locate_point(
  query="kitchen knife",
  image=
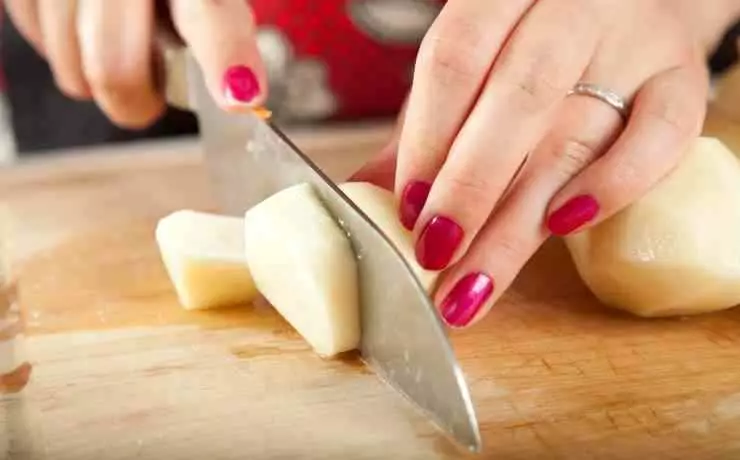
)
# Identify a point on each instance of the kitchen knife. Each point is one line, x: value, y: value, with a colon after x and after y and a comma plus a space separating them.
x: 403, y: 339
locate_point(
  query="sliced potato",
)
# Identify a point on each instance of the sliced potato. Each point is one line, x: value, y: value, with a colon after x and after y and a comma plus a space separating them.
x: 204, y: 257
x: 677, y: 250
x: 303, y: 264
x: 381, y: 207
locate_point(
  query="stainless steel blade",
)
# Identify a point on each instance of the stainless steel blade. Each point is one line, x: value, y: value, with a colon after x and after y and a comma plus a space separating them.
x: 403, y: 339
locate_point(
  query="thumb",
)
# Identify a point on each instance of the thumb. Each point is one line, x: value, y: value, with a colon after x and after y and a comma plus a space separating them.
x: 381, y: 170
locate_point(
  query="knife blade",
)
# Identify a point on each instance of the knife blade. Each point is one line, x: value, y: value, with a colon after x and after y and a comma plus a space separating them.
x: 403, y: 339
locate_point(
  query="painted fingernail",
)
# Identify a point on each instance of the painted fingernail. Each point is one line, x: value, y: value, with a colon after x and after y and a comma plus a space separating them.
x: 240, y: 85
x: 437, y: 243
x: 466, y: 299
x: 412, y: 202
x: 573, y: 215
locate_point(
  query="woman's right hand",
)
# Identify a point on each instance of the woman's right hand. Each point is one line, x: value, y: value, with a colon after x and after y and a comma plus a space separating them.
x: 104, y: 50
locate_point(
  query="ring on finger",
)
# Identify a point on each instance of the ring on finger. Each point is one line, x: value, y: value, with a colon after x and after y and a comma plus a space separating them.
x: 605, y: 95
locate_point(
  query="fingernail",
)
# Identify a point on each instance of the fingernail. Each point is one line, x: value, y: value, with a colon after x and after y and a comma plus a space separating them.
x: 412, y: 202
x: 466, y: 299
x: 572, y: 215
x: 240, y: 85
x: 438, y: 242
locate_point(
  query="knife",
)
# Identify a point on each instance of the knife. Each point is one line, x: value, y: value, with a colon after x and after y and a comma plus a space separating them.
x: 403, y: 339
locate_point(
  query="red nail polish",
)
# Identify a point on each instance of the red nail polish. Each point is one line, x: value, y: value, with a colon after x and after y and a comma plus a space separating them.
x: 412, y: 202
x: 240, y: 84
x: 466, y: 299
x: 438, y: 242
x: 572, y: 215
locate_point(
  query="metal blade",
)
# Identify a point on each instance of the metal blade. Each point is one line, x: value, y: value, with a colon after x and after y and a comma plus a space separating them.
x: 403, y: 339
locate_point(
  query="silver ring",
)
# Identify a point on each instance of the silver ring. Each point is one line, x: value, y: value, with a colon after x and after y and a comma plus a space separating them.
x: 613, y: 99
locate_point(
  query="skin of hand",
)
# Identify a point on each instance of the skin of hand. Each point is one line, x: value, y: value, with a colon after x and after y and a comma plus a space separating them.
x: 493, y: 157
x: 105, y: 50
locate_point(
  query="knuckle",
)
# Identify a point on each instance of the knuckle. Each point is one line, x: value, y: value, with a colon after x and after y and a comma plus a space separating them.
x: 115, y: 82
x: 451, y: 52
x: 535, y: 92
x: 676, y: 114
x: 473, y: 188
x: 573, y: 155
x: 423, y: 146
x: 512, y: 249
x: 72, y: 89
x: 676, y: 100
x: 537, y: 84
x: 68, y: 76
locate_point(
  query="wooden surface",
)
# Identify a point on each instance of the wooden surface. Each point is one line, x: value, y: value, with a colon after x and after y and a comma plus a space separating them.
x: 120, y: 371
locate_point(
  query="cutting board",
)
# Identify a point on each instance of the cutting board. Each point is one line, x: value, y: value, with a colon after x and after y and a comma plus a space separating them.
x: 119, y: 370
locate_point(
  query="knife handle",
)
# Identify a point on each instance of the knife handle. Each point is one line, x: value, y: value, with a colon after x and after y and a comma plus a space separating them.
x: 172, y: 77
x: 170, y: 59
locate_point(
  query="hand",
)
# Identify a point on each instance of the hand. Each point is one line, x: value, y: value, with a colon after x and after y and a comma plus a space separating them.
x: 105, y: 50
x: 494, y: 157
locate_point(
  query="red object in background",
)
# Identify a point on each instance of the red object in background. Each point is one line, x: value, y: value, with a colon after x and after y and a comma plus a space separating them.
x: 340, y: 59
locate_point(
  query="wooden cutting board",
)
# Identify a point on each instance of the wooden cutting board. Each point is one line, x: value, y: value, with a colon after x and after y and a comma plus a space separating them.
x: 120, y: 371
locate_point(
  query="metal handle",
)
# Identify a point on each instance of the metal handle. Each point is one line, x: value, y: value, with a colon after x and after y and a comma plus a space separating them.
x: 172, y: 66
x: 173, y: 74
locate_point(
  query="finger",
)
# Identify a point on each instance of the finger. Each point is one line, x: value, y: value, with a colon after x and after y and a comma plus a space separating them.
x: 58, y: 21
x: 381, y: 169
x: 221, y: 36
x: 544, y: 58
x: 116, y: 38
x: 583, y: 130
x: 668, y: 113
x: 453, y: 62
x: 25, y: 16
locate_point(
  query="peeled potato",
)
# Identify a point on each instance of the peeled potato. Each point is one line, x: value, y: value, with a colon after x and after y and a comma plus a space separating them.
x: 677, y: 250
x: 381, y: 207
x: 303, y: 264
x: 204, y: 257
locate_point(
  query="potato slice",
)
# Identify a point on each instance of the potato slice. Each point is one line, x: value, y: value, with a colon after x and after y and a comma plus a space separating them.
x: 381, y: 207
x: 677, y: 250
x: 204, y: 257
x: 303, y: 264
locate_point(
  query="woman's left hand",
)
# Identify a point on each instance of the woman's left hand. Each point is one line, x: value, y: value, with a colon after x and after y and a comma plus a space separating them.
x: 491, y: 91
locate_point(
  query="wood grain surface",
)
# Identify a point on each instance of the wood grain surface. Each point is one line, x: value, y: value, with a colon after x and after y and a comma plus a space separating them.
x: 120, y: 371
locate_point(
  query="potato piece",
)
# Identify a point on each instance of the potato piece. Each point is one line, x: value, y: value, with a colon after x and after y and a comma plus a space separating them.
x: 303, y: 264
x: 677, y: 250
x: 381, y: 207
x: 204, y: 257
